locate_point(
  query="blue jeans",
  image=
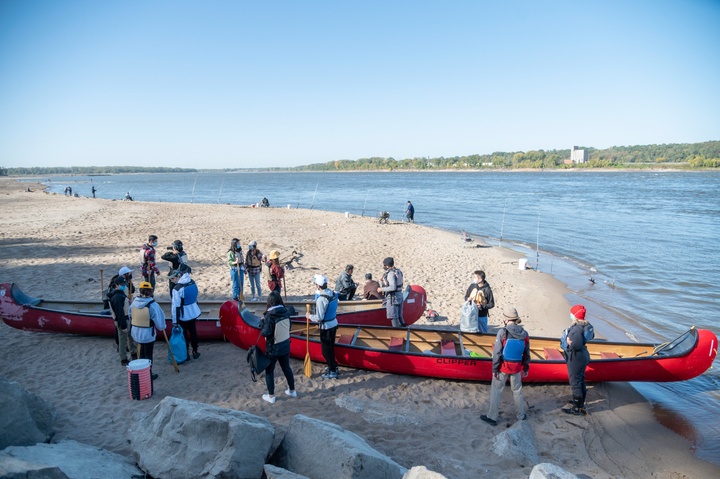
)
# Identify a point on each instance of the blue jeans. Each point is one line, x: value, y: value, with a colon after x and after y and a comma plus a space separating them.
x: 255, y: 284
x: 238, y: 283
x: 482, y: 324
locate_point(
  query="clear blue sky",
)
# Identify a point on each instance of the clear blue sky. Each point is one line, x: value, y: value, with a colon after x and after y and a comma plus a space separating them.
x: 220, y: 84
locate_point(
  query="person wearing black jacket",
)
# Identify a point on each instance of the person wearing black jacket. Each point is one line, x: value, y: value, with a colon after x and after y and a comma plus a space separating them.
x: 176, y: 257
x: 275, y: 326
x: 119, y: 306
x: 481, y: 292
x: 578, y: 358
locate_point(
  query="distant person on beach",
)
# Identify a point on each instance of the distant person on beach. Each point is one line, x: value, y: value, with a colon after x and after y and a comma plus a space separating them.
x: 176, y: 256
x: 119, y: 307
x: 236, y: 263
x: 345, y: 286
x: 410, y: 212
x: 128, y: 197
x: 264, y: 203
x: 511, y: 359
x: 149, y: 268
x: 326, y: 302
x: 145, y: 317
x: 185, y: 309
x: 93, y: 190
x: 482, y: 294
x: 578, y: 357
x: 392, y: 288
x: 276, y: 272
x: 275, y: 326
x: 370, y: 290
x: 253, y: 267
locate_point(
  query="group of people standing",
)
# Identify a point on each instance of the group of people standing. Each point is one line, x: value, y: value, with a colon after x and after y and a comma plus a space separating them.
x: 251, y: 264
x: 138, y: 317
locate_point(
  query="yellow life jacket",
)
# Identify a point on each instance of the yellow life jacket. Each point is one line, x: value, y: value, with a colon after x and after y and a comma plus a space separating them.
x: 141, y: 316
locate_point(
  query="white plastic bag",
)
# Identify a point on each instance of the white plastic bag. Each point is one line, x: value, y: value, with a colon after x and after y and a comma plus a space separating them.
x: 469, y: 317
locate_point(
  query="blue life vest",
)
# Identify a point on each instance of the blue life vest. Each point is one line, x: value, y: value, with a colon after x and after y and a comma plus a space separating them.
x: 513, y: 349
x: 331, y: 312
x: 588, y: 335
x: 191, y: 293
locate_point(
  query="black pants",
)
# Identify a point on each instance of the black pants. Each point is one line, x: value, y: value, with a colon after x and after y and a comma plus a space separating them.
x: 577, y: 362
x: 327, y: 339
x: 146, y: 350
x: 348, y: 294
x: 189, y: 328
x: 287, y: 371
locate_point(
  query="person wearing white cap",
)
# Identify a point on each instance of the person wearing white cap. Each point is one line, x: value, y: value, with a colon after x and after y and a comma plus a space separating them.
x: 326, y: 302
x: 253, y: 267
x: 127, y: 273
x: 511, y: 359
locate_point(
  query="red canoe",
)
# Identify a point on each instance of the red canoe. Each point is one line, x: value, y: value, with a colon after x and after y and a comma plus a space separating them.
x: 21, y: 311
x: 450, y: 354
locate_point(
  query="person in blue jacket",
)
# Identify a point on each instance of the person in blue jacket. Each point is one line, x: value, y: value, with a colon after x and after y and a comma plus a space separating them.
x: 185, y: 309
x: 275, y: 326
x: 326, y: 302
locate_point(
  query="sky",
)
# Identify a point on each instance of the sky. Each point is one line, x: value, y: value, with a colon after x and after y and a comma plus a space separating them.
x: 239, y: 84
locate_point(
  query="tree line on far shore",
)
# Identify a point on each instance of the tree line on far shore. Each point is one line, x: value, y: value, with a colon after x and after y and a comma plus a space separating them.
x: 677, y: 156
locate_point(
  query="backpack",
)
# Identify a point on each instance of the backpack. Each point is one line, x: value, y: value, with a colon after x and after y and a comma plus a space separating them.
x: 257, y: 360
x: 588, y: 333
x: 513, y: 349
x: 178, y: 348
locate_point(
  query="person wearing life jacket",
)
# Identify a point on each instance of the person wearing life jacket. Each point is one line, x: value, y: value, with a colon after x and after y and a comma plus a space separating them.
x: 392, y: 288
x: 149, y: 268
x: 253, y: 267
x: 176, y: 255
x: 578, y: 358
x: 326, y: 303
x: 185, y: 309
x: 146, y: 316
x: 511, y: 359
x: 277, y: 272
x: 119, y: 306
x: 482, y: 294
x: 275, y: 326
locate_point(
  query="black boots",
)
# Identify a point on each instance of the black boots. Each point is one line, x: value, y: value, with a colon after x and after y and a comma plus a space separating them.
x: 578, y: 407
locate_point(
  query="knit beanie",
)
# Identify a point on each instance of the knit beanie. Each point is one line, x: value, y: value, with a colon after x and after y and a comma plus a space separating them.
x: 578, y: 311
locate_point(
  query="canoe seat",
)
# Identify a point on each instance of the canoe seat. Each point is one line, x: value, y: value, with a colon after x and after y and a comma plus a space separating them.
x: 345, y: 339
x: 396, y: 344
x: 447, y: 346
x: 609, y: 355
x: 553, y: 354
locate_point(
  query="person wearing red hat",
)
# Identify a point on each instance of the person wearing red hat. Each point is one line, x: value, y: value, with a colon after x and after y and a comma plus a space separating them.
x: 578, y: 357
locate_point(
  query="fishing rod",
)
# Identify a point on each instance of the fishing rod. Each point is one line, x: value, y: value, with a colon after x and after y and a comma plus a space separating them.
x: 222, y: 183
x: 537, y: 243
x: 313, y: 200
x: 502, y: 225
x: 192, y: 196
x: 365, y: 204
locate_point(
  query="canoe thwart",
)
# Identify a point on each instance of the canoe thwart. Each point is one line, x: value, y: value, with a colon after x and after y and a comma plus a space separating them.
x: 396, y: 344
x: 609, y: 355
x: 552, y: 354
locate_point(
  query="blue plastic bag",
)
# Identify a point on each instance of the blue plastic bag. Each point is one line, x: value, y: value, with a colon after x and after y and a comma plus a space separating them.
x: 177, y: 345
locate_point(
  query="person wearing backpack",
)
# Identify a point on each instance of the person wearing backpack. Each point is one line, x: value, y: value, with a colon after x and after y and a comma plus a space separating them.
x: 511, y: 359
x: 578, y: 357
x: 145, y: 317
x: 482, y: 294
x: 147, y: 256
x: 275, y: 326
x: 392, y: 287
x: 185, y: 309
x: 253, y: 267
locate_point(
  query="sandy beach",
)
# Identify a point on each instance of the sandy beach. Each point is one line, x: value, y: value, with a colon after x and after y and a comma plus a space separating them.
x: 55, y: 246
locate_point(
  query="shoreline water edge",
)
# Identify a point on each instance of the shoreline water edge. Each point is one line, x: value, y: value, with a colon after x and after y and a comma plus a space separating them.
x: 53, y: 245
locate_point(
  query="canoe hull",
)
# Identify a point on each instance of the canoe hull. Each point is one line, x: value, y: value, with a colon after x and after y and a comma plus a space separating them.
x: 697, y: 360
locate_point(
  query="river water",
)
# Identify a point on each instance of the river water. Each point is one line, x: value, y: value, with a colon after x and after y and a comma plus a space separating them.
x: 648, y: 240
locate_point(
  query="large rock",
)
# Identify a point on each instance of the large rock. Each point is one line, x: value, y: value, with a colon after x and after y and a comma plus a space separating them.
x: 182, y: 439
x: 11, y: 468
x: 25, y: 418
x: 274, y: 472
x: 546, y: 470
x: 75, y: 460
x: 421, y: 472
x: 323, y: 450
x: 517, y: 443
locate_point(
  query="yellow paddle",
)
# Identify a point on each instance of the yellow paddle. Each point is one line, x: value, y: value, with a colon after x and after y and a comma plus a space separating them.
x: 308, y: 364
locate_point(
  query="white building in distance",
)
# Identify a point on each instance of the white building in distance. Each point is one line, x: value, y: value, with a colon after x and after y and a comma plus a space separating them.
x: 578, y: 156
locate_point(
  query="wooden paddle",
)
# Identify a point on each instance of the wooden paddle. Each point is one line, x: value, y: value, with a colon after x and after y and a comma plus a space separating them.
x: 242, y: 294
x: 308, y: 364
x: 102, y: 286
x: 285, y: 288
x: 172, y: 356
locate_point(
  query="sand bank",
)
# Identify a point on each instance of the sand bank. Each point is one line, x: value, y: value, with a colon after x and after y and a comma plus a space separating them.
x: 55, y: 246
